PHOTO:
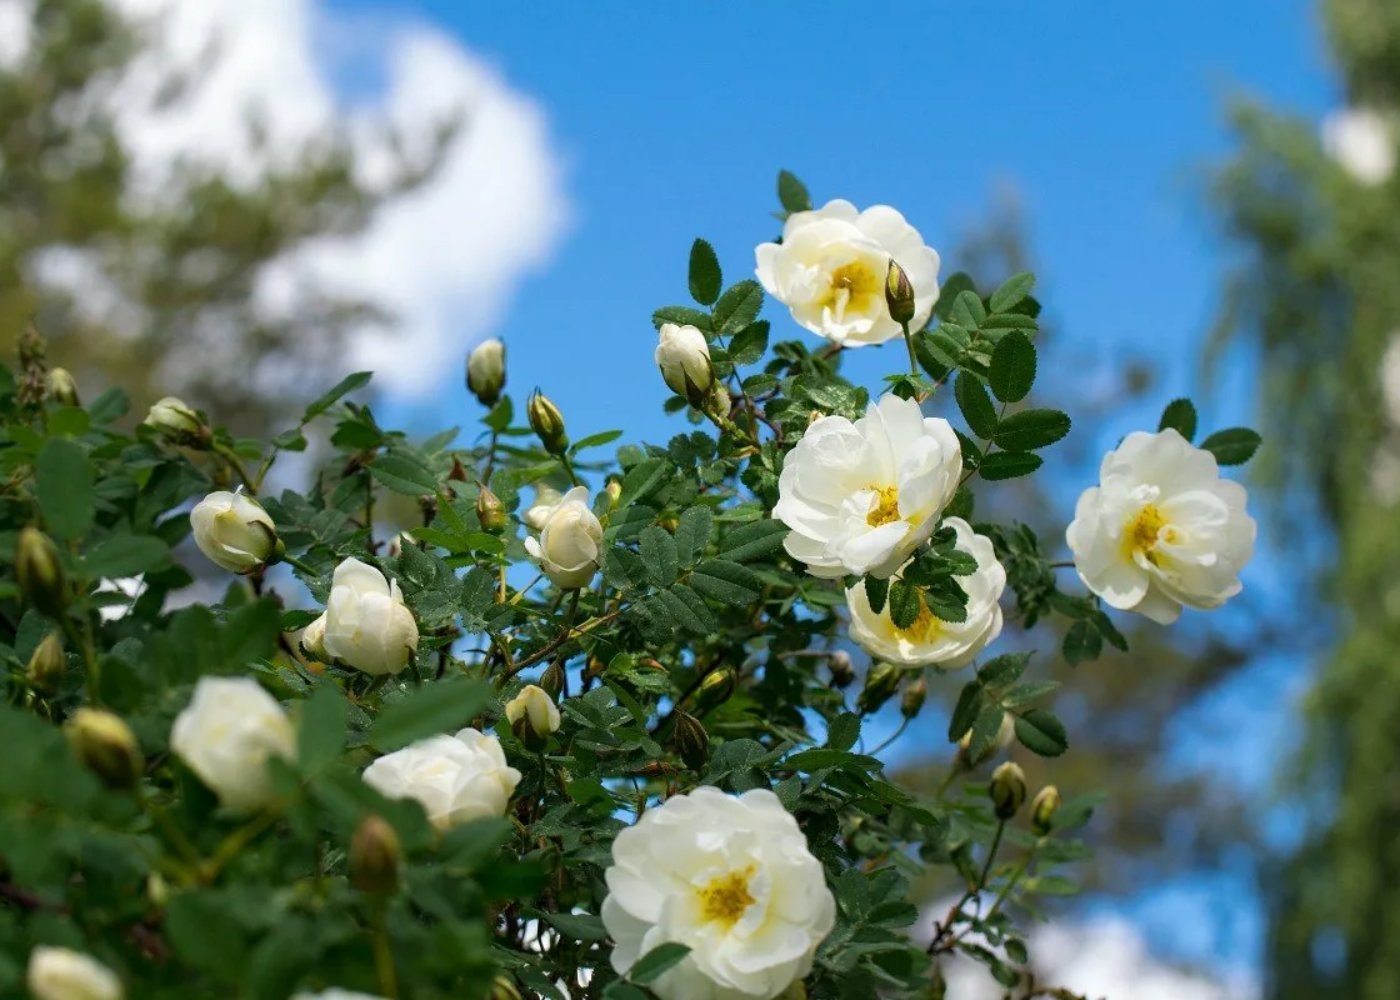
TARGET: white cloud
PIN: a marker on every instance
(443, 260)
(1102, 957)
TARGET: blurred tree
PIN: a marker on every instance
(158, 290)
(1315, 299)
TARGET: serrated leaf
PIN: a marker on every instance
(1040, 732)
(749, 344)
(344, 387)
(1013, 365)
(968, 310)
(125, 555)
(1003, 670)
(965, 712)
(706, 278)
(1233, 446)
(976, 406)
(403, 474)
(1180, 416)
(658, 960)
(692, 534)
(1031, 429)
(843, 731)
(1082, 642)
(738, 306)
(725, 581)
(1012, 291)
(792, 193)
(1008, 465)
(64, 488)
(753, 540)
(321, 728)
(905, 603)
(658, 551)
(642, 479)
(682, 316)
(876, 592)
(442, 707)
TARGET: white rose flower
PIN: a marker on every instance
(1161, 529)
(313, 639)
(486, 371)
(860, 497)
(456, 779)
(831, 266)
(234, 531)
(567, 549)
(546, 499)
(226, 735)
(62, 974)
(534, 705)
(367, 625)
(731, 877)
(1362, 141)
(684, 357)
(931, 641)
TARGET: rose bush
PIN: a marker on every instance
(514, 714)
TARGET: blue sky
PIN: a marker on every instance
(673, 120)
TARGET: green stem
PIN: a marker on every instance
(235, 463)
(1011, 881)
(384, 954)
(235, 842)
(568, 468)
(909, 343)
(296, 563)
(894, 736)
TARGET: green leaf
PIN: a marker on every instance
(344, 387)
(1013, 367)
(752, 540)
(1180, 415)
(976, 406)
(682, 316)
(403, 474)
(658, 960)
(738, 307)
(876, 592)
(321, 728)
(579, 926)
(64, 488)
(843, 731)
(1012, 291)
(1042, 733)
(968, 310)
(725, 581)
(905, 602)
(642, 479)
(1082, 642)
(658, 550)
(823, 757)
(1031, 429)
(705, 277)
(445, 706)
(1003, 670)
(595, 440)
(985, 731)
(1234, 446)
(125, 555)
(1009, 465)
(792, 193)
(692, 534)
(965, 712)
(749, 344)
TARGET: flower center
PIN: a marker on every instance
(925, 627)
(724, 899)
(1145, 531)
(886, 508)
(853, 285)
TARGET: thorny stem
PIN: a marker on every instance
(943, 938)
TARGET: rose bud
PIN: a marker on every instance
(375, 856)
(40, 575)
(107, 747)
(532, 716)
(234, 532)
(486, 371)
(1008, 789)
(547, 422)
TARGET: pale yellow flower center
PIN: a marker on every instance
(724, 898)
(886, 509)
(853, 287)
(924, 628)
(1145, 531)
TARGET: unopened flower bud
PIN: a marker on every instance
(547, 422)
(718, 403)
(913, 699)
(491, 512)
(486, 371)
(899, 293)
(47, 664)
(172, 418)
(157, 890)
(1008, 789)
(690, 740)
(880, 684)
(684, 359)
(614, 491)
(552, 680)
(375, 856)
(533, 716)
(843, 672)
(63, 388)
(716, 688)
(668, 523)
(106, 746)
(504, 988)
(234, 532)
(1043, 808)
(40, 574)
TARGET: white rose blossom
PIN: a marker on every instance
(63, 974)
(683, 355)
(455, 779)
(570, 536)
(367, 625)
(1162, 529)
(732, 878)
(1363, 142)
(931, 641)
(227, 734)
(860, 497)
(546, 499)
(233, 531)
(831, 266)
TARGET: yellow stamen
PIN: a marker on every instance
(925, 627)
(1143, 531)
(725, 898)
(854, 284)
(886, 509)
